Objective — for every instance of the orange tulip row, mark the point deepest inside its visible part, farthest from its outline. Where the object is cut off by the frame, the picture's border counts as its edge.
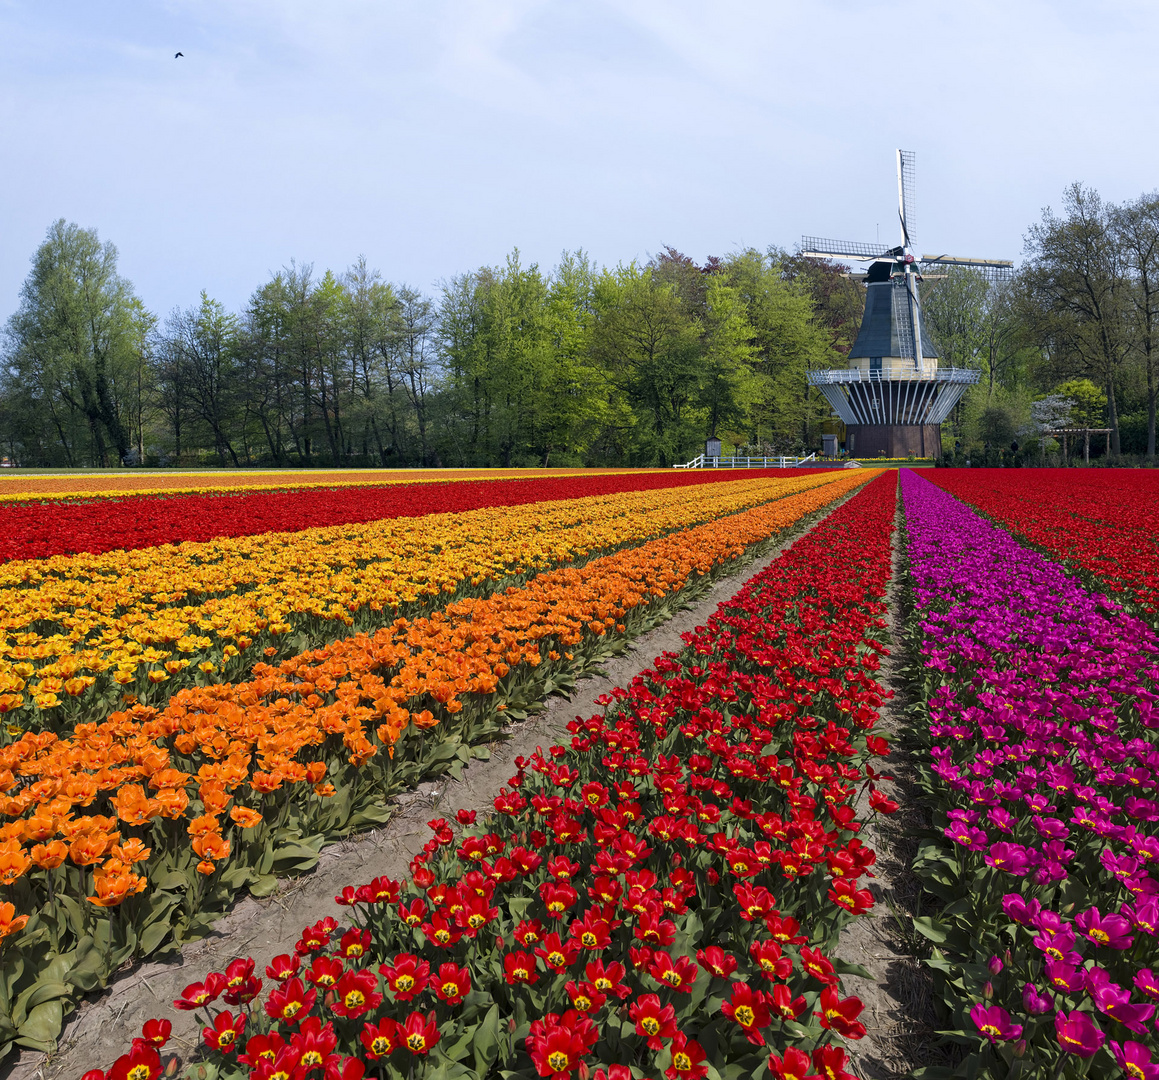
(213, 746)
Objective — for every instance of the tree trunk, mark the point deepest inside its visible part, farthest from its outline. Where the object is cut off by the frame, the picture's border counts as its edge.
(1113, 416)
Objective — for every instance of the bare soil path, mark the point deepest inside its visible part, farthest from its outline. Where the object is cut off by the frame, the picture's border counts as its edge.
(901, 1033)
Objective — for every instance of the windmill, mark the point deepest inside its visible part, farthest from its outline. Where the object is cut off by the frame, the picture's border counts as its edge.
(893, 398)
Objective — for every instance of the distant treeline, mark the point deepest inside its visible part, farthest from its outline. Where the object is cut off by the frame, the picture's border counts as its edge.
(506, 365)
(512, 365)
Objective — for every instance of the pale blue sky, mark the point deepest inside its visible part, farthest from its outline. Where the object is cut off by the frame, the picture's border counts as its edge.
(434, 137)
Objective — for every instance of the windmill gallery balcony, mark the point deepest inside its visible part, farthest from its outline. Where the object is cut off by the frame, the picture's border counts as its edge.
(893, 412)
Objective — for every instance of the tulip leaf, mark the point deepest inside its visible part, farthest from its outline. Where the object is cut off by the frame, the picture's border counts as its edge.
(40, 1030)
(929, 928)
(174, 879)
(153, 936)
(487, 1042)
(263, 885)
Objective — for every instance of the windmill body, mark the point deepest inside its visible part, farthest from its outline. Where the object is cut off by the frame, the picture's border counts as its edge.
(893, 396)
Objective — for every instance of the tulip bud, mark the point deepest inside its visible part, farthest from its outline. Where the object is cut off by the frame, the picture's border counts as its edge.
(1020, 1048)
(201, 1073)
(171, 1066)
(988, 991)
(995, 965)
(584, 1071)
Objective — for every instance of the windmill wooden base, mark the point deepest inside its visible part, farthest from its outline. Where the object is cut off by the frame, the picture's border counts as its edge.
(893, 440)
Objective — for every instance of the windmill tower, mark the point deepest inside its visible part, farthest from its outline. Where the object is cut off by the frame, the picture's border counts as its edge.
(893, 397)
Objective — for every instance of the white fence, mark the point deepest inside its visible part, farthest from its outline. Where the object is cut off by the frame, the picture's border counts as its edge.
(703, 462)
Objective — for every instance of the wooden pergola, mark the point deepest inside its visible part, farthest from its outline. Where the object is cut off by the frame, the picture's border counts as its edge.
(1086, 433)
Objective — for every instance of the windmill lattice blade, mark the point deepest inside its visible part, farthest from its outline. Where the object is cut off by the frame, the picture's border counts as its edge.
(994, 269)
(906, 195)
(899, 297)
(818, 247)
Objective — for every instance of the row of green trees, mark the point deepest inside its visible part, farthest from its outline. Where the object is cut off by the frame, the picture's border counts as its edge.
(506, 365)
(1078, 323)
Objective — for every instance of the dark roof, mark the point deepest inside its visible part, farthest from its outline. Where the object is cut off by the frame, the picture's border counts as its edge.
(878, 335)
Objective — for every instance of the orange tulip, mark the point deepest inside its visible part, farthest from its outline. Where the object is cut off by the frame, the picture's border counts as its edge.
(245, 818)
(133, 806)
(39, 826)
(131, 851)
(13, 861)
(172, 802)
(205, 825)
(114, 882)
(213, 796)
(9, 924)
(49, 856)
(211, 846)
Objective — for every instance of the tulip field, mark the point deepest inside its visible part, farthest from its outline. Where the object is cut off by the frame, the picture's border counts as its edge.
(203, 683)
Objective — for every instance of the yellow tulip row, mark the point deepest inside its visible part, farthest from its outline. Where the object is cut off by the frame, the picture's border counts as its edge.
(77, 629)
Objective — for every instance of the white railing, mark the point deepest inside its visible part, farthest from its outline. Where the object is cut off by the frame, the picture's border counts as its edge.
(782, 462)
(858, 375)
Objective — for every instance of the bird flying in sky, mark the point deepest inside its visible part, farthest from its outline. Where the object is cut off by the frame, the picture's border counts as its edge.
(175, 55)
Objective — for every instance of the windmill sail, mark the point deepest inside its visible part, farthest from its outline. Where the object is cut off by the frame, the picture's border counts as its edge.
(819, 247)
(906, 196)
(903, 320)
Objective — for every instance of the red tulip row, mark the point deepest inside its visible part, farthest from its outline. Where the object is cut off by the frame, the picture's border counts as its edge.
(1102, 520)
(662, 892)
(30, 530)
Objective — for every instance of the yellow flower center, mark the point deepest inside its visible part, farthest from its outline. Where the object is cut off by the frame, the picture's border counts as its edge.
(745, 1016)
(416, 1042)
(650, 1025)
(557, 1061)
(681, 1062)
(404, 983)
(353, 999)
(451, 989)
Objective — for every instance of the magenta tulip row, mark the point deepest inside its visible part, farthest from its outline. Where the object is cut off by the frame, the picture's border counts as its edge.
(1042, 708)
